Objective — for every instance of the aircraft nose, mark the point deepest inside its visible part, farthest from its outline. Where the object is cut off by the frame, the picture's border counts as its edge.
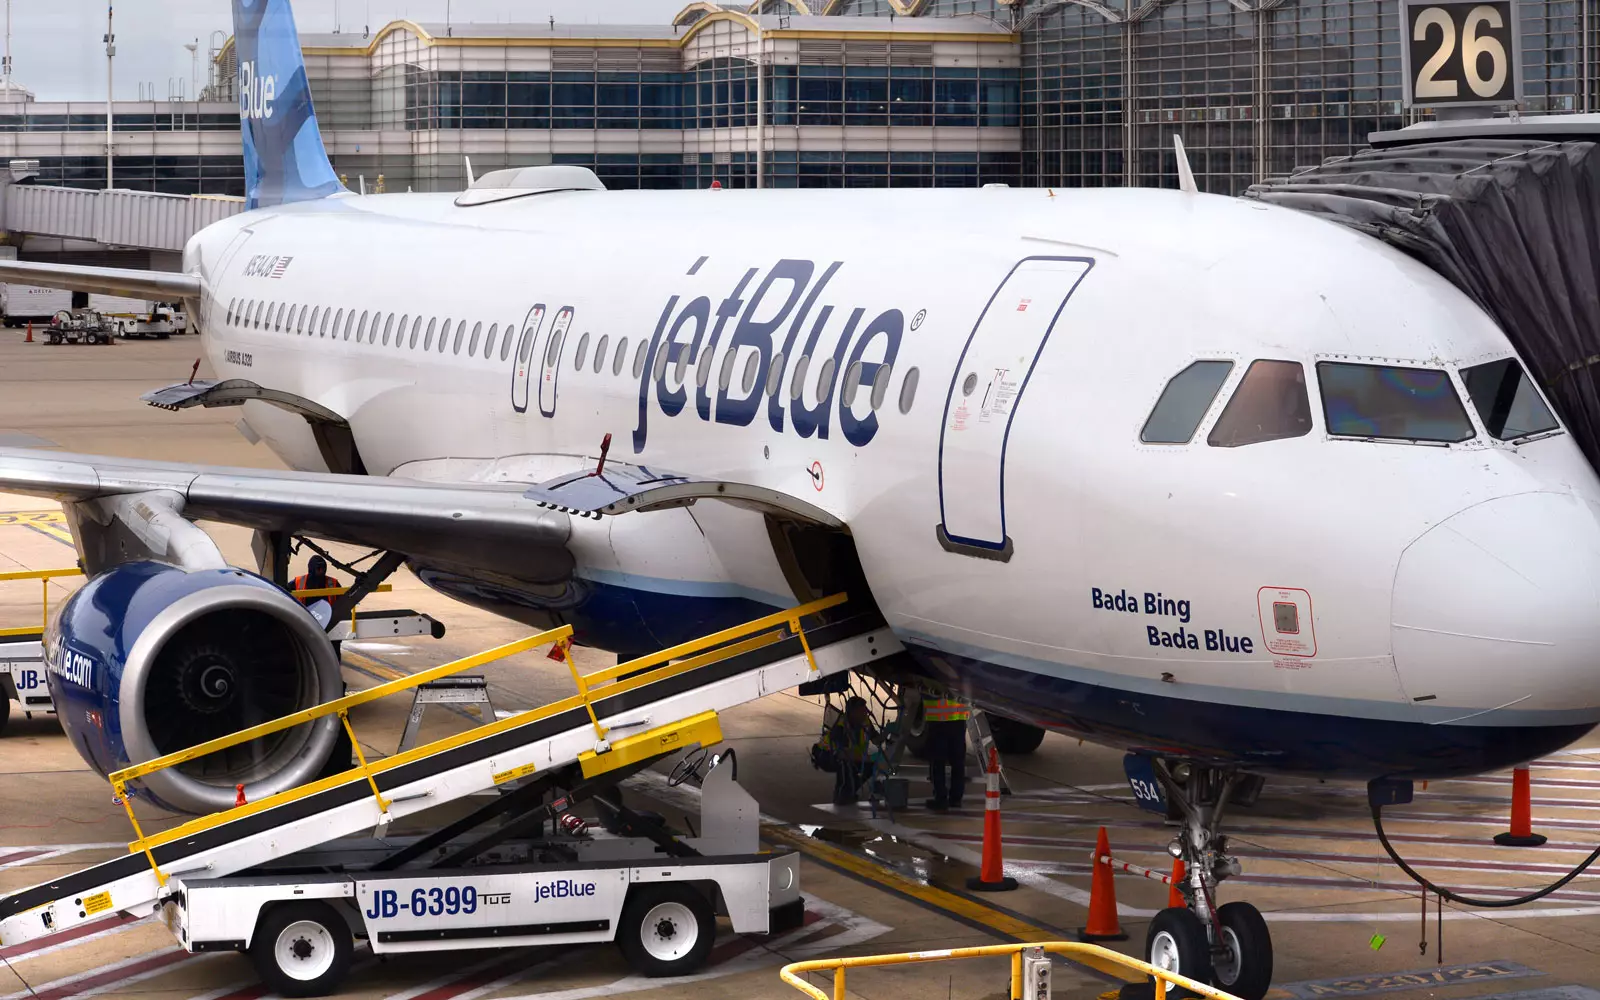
(1495, 608)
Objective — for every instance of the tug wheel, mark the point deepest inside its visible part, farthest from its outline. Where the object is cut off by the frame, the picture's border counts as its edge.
(666, 929)
(302, 949)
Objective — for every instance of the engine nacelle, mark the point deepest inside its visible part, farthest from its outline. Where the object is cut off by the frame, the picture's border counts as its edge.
(147, 659)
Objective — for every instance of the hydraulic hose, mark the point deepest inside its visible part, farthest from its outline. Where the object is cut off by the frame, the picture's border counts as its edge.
(1455, 897)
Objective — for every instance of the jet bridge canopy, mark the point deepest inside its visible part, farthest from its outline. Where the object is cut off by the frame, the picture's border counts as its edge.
(1513, 222)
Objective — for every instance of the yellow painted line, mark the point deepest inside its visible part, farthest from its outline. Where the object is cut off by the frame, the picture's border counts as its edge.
(370, 665)
(970, 910)
(32, 517)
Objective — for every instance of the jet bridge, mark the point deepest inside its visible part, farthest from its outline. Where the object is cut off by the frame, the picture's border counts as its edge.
(620, 719)
(1506, 209)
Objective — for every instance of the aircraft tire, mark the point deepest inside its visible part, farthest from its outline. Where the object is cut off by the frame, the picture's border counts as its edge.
(1177, 942)
(5, 710)
(1012, 737)
(1247, 973)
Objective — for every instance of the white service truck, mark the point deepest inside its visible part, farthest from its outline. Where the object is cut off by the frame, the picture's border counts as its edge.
(656, 895)
(23, 304)
(140, 317)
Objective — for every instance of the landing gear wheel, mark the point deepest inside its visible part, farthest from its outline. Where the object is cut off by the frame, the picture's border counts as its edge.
(1243, 962)
(666, 929)
(302, 949)
(1177, 942)
(1012, 737)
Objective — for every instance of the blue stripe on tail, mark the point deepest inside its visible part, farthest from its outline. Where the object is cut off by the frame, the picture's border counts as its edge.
(284, 160)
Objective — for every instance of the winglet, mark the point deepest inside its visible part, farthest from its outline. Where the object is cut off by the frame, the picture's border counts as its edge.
(1185, 173)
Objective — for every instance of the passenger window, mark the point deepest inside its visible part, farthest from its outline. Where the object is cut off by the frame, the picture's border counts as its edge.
(361, 331)
(880, 386)
(388, 324)
(277, 317)
(752, 368)
(638, 357)
(600, 352)
(582, 353)
(908, 390)
(1184, 402)
(620, 358)
(702, 371)
(725, 376)
(1383, 401)
(825, 378)
(477, 334)
(337, 317)
(554, 354)
(775, 375)
(300, 319)
(461, 333)
(231, 303)
(661, 363)
(488, 342)
(444, 335)
(797, 382)
(416, 331)
(349, 324)
(1507, 401)
(427, 339)
(400, 331)
(1270, 403)
(525, 350)
(852, 376)
(311, 327)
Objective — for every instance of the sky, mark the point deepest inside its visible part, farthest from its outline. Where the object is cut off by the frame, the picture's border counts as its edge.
(58, 52)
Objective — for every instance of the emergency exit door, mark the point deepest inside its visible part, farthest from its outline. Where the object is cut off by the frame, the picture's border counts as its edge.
(552, 361)
(522, 361)
(988, 384)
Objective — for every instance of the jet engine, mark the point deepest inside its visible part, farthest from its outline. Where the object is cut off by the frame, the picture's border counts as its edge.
(147, 659)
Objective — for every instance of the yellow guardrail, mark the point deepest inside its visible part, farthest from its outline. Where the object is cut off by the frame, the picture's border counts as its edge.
(611, 681)
(44, 576)
(1083, 954)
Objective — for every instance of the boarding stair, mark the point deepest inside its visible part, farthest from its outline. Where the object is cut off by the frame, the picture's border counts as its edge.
(620, 719)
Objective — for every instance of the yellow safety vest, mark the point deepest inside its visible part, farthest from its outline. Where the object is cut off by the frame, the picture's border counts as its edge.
(856, 750)
(945, 710)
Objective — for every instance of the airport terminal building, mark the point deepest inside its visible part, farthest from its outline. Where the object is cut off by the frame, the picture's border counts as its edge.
(829, 93)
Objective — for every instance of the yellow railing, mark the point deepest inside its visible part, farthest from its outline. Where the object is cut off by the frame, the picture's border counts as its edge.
(44, 576)
(1083, 954)
(610, 681)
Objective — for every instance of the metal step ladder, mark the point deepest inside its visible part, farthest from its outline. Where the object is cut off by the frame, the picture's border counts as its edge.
(463, 689)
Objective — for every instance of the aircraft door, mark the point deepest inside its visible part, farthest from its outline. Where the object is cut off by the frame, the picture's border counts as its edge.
(988, 383)
(522, 361)
(552, 361)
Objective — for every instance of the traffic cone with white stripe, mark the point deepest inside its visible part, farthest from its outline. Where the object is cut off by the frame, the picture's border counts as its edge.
(991, 876)
(1521, 833)
(1174, 894)
(1102, 925)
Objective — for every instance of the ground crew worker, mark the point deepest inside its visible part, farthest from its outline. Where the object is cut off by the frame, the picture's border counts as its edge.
(846, 741)
(946, 749)
(314, 578)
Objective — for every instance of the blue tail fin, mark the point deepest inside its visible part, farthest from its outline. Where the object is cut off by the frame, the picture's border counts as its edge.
(284, 159)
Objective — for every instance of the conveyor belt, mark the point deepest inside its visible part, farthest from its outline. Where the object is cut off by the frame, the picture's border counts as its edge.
(542, 743)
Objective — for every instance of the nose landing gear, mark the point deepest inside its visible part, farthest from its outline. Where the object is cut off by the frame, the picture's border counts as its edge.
(1226, 945)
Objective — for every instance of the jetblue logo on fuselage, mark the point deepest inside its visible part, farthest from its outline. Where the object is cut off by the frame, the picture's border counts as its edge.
(256, 93)
(758, 334)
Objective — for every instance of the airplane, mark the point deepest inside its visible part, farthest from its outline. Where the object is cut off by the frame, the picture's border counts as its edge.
(1230, 487)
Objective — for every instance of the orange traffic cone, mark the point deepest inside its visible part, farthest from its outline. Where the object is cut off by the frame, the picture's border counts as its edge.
(1521, 833)
(1102, 924)
(30, 333)
(991, 876)
(1174, 894)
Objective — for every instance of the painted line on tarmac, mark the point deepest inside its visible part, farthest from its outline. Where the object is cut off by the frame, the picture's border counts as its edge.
(81, 934)
(1390, 982)
(764, 954)
(107, 978)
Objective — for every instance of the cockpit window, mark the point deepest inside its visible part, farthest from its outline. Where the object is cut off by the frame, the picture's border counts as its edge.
(1184, 402)
(1381, 401)
(1506, 400)
(1270, 403)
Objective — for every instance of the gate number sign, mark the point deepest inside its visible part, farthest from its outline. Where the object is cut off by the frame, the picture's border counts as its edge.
(1460, 53)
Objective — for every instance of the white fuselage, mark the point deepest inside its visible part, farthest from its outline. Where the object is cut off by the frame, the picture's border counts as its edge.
(1444, 594)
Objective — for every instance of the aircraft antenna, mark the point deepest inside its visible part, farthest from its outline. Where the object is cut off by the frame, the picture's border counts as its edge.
(1185, 173)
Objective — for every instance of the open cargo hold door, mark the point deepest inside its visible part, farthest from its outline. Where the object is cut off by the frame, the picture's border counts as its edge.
(1514, 223)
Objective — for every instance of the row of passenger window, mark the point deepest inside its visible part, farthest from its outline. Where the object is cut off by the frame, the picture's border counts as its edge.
(1383, 402)
(409, 332)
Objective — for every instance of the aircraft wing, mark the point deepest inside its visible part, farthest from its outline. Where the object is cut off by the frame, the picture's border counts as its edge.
(454, 520)
(163, 285)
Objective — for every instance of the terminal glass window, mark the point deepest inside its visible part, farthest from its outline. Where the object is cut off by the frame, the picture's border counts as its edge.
(1270, 404)
(1184, 402)
(1506, 400)
(1384, 401)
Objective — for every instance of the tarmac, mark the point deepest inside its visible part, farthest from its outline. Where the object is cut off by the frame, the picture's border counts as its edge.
(1345, 921)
